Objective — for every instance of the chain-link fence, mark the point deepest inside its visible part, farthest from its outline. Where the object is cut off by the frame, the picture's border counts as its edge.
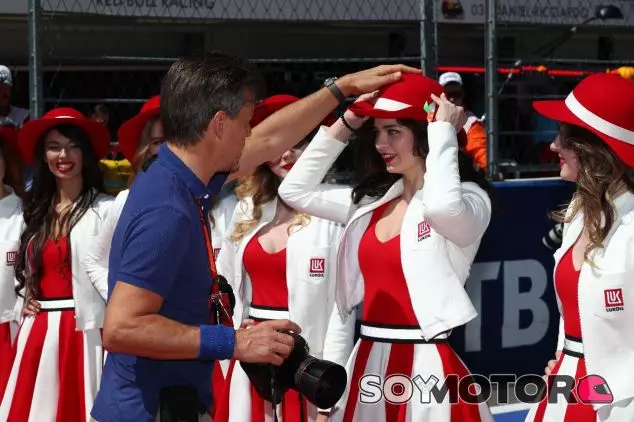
(115, 52)
(543, 49)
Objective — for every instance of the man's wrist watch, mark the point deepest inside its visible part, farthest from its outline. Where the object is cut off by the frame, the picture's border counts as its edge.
(332, 86)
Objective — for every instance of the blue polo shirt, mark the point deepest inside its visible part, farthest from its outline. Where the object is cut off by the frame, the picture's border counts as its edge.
(159, 246)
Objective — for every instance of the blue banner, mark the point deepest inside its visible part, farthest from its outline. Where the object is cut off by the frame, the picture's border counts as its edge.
(511, 283)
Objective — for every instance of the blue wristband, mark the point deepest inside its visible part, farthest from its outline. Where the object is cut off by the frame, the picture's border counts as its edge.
(216, 342)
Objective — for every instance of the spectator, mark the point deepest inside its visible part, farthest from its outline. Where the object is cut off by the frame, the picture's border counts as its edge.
(19, 116)
(476, 144)
(100, 113)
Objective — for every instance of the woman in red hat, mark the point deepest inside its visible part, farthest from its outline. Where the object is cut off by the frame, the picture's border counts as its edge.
(58, 350)
(11, 226)
(279, 263)
(139, 138)
(594, 266)
(413, 224)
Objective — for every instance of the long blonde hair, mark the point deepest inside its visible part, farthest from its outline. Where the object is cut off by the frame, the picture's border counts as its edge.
(143, 150)
(261, 187)
(602, 176)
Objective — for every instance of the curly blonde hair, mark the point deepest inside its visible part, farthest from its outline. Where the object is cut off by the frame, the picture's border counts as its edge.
(261, 186)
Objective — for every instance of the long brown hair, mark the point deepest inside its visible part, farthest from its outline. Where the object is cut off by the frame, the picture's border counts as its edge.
(40, 217)
(14, 169)
(261, 187)
(602, 177)
(371, 177)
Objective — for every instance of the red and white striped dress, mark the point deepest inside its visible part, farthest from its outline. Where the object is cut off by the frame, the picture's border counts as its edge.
(7, 354)
(57, 369)
(384, 348)
(240, 402)
(571, 362)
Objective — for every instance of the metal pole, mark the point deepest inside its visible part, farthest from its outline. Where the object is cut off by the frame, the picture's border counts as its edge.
(427, 37)
(35, 60)
(491, 120)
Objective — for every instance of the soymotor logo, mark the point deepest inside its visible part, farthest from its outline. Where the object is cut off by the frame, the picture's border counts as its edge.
(398, 389)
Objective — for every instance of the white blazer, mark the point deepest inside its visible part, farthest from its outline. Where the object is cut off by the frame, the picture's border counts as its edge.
(96, 261)
(606, 328)
(440, 234)
(89, 305)
(11, 227)
(310, 293)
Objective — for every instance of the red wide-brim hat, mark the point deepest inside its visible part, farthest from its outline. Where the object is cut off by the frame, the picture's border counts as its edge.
(408, 98)
(129, 134)
(31, 132)
(274, 103)
(603, 104)
(9, 135)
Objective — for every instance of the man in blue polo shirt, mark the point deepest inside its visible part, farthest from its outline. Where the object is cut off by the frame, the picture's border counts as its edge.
(157, 327)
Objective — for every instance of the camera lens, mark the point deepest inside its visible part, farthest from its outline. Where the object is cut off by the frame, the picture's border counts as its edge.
(321, 381)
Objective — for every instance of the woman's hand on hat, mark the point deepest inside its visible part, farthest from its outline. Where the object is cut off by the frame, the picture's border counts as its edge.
(344, 128)
(370, 80)
(357, 121)
(449, 112)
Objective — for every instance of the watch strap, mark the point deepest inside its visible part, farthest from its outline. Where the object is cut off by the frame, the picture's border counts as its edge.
(332, 86)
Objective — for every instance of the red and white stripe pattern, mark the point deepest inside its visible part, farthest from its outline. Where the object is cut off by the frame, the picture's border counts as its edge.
(597, 122)
(239, 402)
(400, 355)
(8, 331)
(571, 363)
(56, 371)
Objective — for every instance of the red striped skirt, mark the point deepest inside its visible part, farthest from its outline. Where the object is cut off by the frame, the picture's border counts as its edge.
(571, 363)
(8, 331)
(386, 351)
(56, 371)
(239, 402)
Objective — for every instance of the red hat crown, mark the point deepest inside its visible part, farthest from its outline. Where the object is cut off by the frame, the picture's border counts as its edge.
(271, 104)
(592, 102)
(408, 98)
(129, 134)
(602, 103)
(64, 113)
(152, 104)
(31, 132)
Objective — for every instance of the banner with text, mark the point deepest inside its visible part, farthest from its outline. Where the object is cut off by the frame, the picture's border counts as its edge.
(545, 12)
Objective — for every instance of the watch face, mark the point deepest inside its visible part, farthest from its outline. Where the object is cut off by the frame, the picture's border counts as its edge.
(330, 81)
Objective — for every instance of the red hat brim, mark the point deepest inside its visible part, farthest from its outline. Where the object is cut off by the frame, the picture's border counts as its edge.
(129, 134)
(366, 109)
(558, 110)
(32, 131)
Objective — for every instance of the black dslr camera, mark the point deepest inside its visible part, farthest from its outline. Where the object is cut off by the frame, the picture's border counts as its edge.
(321, 382)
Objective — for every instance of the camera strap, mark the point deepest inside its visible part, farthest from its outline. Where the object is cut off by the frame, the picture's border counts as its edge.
(217, 306)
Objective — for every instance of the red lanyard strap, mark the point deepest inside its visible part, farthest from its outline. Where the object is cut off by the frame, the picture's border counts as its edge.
(210, 252)
(221, 298)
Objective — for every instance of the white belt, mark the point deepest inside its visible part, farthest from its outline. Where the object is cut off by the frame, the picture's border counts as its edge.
(573, 345)
(267, 314)
(392, 334)
(56, 304)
